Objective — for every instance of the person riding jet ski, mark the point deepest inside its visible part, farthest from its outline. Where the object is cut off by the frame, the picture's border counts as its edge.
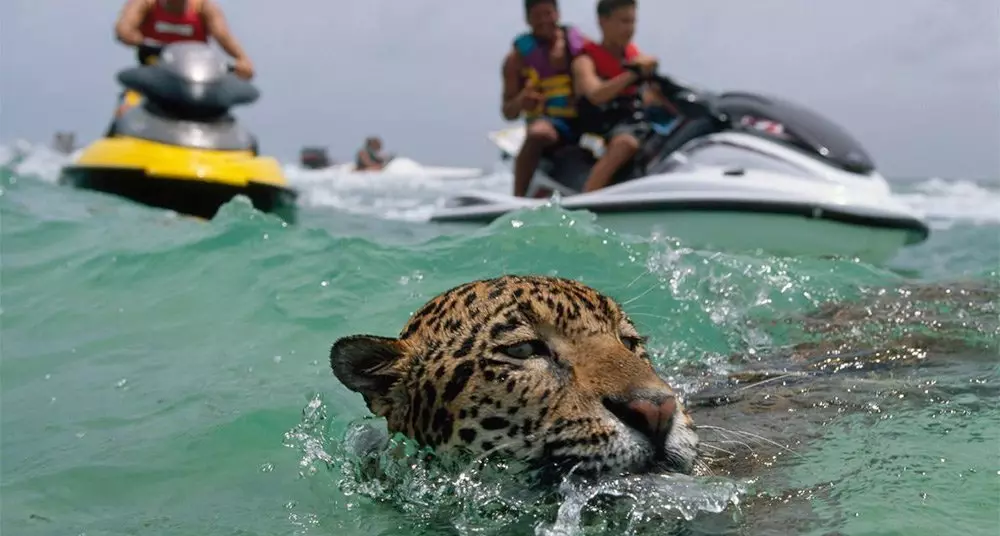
(610, 78)
(371, 157)
(150, 25)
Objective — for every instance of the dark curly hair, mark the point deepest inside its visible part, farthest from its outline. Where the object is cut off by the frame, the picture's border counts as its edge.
(528, 4)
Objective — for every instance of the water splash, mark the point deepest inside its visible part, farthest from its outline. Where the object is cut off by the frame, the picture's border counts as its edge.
(489, 496)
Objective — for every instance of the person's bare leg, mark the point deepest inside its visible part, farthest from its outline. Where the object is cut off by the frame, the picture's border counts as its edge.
(620, 150)
(539, 135)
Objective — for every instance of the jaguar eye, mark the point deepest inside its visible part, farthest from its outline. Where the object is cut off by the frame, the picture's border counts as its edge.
(632, 343)
(526, 350)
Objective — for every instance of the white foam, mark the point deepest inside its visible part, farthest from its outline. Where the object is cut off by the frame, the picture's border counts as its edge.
(32, 160)
(7, 155)
(402, 192)
(946, 202)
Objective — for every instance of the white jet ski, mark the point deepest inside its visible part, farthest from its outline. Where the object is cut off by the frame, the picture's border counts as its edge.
(770, 176)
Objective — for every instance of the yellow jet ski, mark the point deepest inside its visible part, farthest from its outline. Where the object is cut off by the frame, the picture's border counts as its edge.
(178, 147)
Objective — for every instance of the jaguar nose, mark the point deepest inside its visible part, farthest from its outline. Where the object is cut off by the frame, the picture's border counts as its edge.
(651, 416)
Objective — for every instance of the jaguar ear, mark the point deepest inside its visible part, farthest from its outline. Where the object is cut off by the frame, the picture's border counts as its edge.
(366, 364)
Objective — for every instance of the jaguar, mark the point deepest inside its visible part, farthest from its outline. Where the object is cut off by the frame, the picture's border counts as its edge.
(540, 369)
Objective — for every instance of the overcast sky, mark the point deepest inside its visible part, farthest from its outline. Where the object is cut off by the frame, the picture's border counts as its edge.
(916, 81)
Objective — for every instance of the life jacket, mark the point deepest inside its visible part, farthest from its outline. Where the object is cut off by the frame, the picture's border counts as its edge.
(374, 156)
(626, 104)
(555, 83)
(608, 66)
(168, 27)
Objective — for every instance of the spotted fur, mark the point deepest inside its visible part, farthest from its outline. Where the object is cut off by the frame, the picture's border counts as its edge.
(545, 370)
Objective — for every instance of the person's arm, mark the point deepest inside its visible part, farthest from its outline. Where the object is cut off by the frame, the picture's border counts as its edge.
(589, 85)
(366, 160)
(129, 20)
(511, 106)
(217, 28)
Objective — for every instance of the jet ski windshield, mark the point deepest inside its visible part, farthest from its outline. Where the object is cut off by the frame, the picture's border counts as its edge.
(797, 127)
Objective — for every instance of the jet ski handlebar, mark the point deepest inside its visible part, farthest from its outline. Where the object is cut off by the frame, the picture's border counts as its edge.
(690, 100)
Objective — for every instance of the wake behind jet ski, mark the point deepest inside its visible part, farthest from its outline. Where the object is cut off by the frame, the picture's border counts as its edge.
(772, 176)
(180, 148)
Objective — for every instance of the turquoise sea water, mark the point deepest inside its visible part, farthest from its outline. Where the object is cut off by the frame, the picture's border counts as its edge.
(167, 376)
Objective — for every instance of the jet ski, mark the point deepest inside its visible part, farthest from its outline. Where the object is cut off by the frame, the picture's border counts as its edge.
(314, 158)
(180, 148)
(768, 175)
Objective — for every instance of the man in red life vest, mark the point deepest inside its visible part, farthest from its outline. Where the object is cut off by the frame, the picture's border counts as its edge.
(162, 22)
(537, 85)
(607, 78)
(149, 25)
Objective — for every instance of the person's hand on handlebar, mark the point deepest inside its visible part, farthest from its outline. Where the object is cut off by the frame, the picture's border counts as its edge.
(647, 65)
(243, 68)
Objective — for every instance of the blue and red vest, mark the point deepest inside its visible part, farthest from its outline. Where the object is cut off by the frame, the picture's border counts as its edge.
(626, 106)
(608, 66)
(555, 83)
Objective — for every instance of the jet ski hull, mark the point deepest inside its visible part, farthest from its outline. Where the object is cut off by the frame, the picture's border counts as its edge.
(190, 181)
(730, 191)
